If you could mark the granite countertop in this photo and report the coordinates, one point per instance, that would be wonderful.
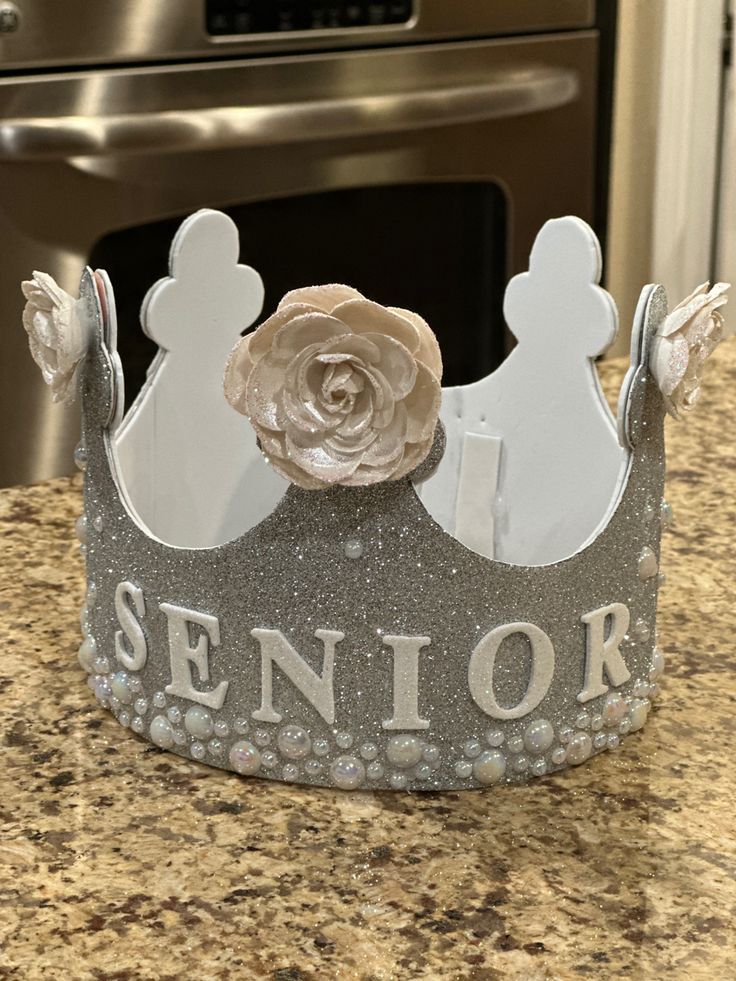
(119, 861)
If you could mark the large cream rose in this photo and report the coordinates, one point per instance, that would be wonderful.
(56, 335)
(339, 390)
(687, 337)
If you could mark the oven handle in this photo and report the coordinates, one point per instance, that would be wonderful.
(512, 93)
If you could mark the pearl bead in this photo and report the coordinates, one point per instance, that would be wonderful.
(515, 744)
(141, 706)
(596, 723)
(174, 715)
(159, 699)
(463, 769)
(80, 457)
(180, 737)
(215, 747)
(657, 668)
(648, 565)
(197, 750)
(290, 772)
(102, 689)
(539, 736)
(241, 726)
(99, 522)
(666, 515)
(294, 742)
(161, 732)
(344, 740)
(374, 771)
(539, 767)
(404, 751)
(87, 653)
(600, 739)
(369, 751)
(582, 721)
(134, 682)
(137, 724)
(313, 767)
(269, 759)
(221, 728)
(558, 755)
(91, 595)
(423, 771)
(262, 737)
(353, 548)
(471, 748)
(347, 772)
(639, 711)
(244, 757)
(431, 754)
(614, 709)
(521, 763)
(489, 767)
(398, 781)
(198, 722)
(321, 747)
(80, 528)
(565, 736)
(624, 726)
(124, 718)
(613, 741)
(495, 737)
(579, 748)
(641, 630)
(120, 688)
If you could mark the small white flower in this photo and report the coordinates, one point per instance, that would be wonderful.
(339, 390)
(56, 336)
(687, 337)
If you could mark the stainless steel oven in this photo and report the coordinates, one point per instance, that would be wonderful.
(411, 149)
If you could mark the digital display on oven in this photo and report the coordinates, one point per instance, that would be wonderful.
(272, 16)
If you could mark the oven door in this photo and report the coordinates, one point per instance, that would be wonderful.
(418, 175)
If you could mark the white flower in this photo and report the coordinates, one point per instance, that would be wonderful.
(339, 390)
(687, 337)
(57, 338)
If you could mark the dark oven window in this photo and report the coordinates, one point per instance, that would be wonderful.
(438, 249)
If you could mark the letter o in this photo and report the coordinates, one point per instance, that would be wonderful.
(483, 660)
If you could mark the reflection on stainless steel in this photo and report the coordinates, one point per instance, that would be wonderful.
(85, 153)
(515, 93)
(77, 32)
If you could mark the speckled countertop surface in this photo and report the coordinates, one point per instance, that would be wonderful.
(118, 861)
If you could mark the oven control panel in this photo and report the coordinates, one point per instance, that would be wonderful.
(237, 17)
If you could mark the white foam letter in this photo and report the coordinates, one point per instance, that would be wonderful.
(406, 682)
(127, 595)
(183, 655)
(483, 659)
(315, 688)
(603, 652)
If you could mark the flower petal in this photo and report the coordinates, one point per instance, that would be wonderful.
(428, 351)
(423, 405)
(262, 338)
(237, 371)
(305, 330)
(324, 298)
(364, 316)
(395, 363)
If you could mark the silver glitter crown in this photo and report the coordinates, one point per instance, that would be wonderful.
(347, 640)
